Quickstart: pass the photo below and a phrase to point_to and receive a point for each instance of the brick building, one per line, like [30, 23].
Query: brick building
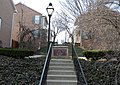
[30, 25]
[7, 10]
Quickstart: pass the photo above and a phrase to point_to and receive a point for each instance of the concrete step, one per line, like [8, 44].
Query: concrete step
[61, 61]
[61, 68]
[61, 82]
[58, 62]
[61, 72]
[62, 57]
[61, 77]
[61, 64]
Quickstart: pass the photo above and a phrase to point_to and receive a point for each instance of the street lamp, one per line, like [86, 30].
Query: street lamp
[50, 11]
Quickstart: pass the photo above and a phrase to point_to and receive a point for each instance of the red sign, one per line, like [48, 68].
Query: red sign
[60, 52]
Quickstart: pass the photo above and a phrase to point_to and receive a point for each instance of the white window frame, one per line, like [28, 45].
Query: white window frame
[0, 23]
[37, 19]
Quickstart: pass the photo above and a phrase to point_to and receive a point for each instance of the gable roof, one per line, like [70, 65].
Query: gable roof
[11, 1]
[28, 7]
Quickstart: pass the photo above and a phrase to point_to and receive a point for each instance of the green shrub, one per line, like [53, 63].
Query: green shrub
[96, 54]
[16, 53]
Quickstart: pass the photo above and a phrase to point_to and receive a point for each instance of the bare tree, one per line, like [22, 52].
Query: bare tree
[71, 10]
[56, 27]
[104, 25]
[66, 24]
[76, 7]
[102, 18]
[26, 37]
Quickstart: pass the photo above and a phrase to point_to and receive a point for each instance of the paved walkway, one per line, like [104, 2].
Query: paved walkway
[35, 56]
[61, 72]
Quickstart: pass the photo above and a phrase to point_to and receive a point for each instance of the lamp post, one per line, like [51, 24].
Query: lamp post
[50, 11]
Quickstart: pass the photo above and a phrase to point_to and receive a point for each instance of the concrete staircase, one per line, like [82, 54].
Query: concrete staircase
[61, 72]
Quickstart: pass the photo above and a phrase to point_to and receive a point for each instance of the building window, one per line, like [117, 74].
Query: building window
[36, 19]
[0, 23]
[36, 32]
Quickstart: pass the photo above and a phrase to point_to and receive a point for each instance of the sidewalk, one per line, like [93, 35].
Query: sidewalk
[82, 58]
[35, 56]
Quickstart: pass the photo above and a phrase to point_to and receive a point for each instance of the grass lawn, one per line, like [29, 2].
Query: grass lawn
[43, 51]
[78, 50]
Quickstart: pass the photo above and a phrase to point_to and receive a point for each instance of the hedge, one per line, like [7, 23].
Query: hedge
[16, 53]
[97, 54]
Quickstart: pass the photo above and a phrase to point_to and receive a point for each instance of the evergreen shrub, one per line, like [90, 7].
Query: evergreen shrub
[97, 54]
[16, 53]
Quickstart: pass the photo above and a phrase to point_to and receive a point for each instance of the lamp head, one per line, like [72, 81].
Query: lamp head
[50, 9]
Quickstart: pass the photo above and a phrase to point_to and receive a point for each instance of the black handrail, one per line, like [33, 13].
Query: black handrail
[78, 66]
[46, 67]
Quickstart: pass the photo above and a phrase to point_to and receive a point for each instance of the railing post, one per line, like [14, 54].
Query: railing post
[45, 67]
[72, 52]
[77, 65]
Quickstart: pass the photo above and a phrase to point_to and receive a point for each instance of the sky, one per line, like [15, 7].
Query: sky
[40, 6]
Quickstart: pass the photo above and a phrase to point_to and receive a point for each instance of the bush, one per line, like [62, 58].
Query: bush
[96, 54]
[16, 53]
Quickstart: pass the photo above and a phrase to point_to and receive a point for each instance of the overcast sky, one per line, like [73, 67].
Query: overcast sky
[40, 5]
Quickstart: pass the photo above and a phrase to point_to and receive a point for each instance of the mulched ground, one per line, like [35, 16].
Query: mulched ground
[101, 72]
[20, 71]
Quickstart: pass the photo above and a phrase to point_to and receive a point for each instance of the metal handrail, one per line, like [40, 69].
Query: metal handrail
[46, 66]
[78, 62]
